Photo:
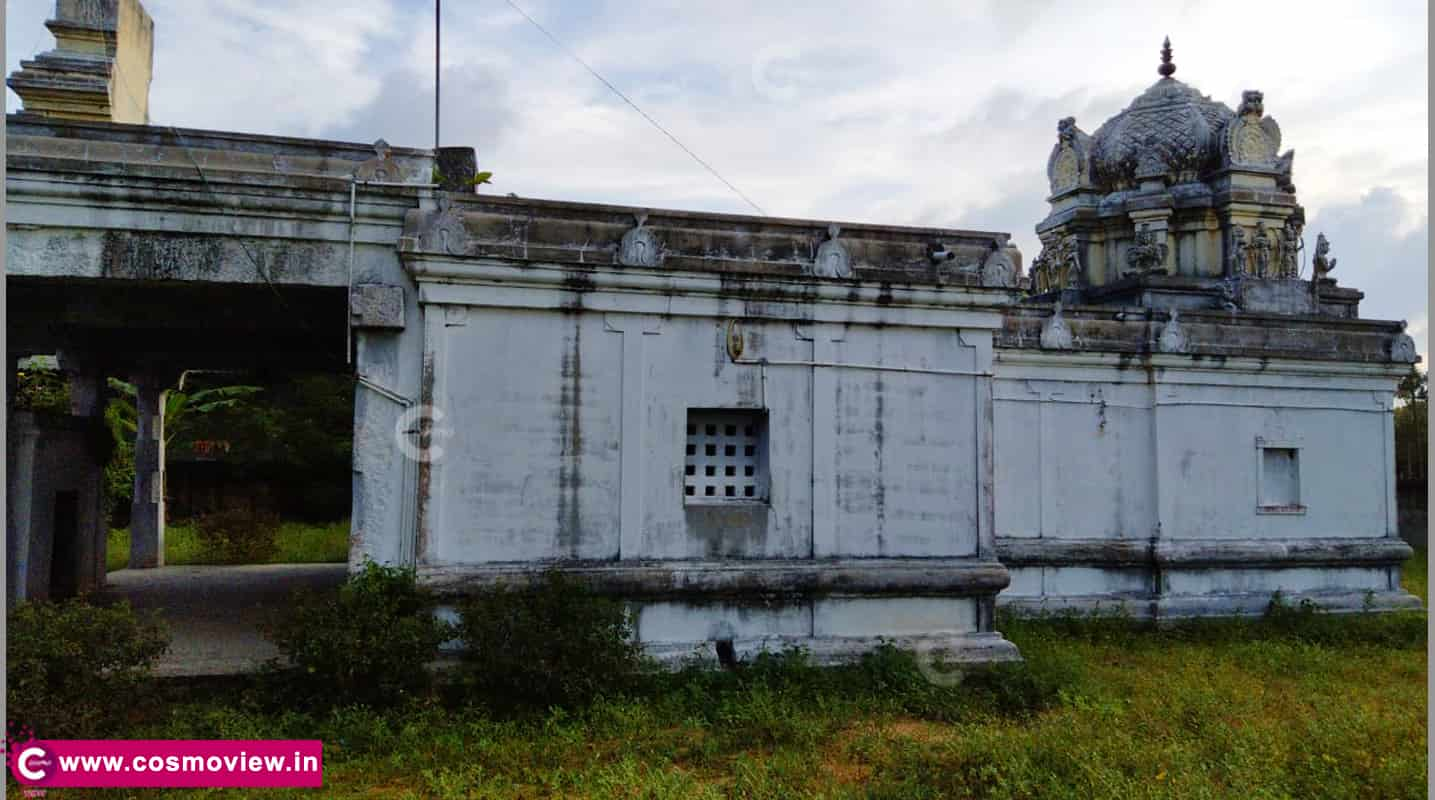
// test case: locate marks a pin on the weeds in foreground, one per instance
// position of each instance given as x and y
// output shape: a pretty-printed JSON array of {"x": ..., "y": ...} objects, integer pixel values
[
  {"x": 1295, "y": 704},
  {"x": 1298, "y": 706}
]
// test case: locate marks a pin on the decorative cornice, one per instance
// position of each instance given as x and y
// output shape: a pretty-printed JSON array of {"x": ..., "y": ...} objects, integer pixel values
[{"x": 543, "y": 231}]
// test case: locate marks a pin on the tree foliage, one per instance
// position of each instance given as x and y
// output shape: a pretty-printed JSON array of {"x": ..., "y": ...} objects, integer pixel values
[
  {"x": 1412, "y": 426},
  {"x": 1414, "y": 386},
  {"x": 42, "y": 390},
  {"x": 180, "y": 408}
]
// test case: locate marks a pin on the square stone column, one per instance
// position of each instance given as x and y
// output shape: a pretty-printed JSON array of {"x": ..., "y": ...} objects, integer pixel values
[
  {"x": 147, "y": 510},
  {"x": 86, "y": 377},
  {"x": 20, "y": 439}
]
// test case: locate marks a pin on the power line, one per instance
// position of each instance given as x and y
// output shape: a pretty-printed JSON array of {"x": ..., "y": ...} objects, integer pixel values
[{"x": 634, "y": 106}]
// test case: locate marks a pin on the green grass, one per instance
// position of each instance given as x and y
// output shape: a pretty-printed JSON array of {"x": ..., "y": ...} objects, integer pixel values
[
  {"x": 1224, "y": 710},
  {"x": 1296, "y": 705},
  {"x": 299, "y": 543},
  {"x": 1415, "y": 576}
]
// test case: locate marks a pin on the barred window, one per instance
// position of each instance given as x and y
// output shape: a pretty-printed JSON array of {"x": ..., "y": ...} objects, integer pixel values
[{"x": 726, "y": 456}]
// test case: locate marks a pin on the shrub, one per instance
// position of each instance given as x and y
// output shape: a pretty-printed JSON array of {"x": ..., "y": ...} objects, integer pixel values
[
  {"x": 368, "y": 644},
  {"x": 74, "y": 669},
  {"x": 554, "y": 644},
  {"x": 239, "y": 535}
]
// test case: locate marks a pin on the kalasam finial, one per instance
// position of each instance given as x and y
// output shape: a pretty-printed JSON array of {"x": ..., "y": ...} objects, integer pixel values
[{"x": 1167, "y": 69}]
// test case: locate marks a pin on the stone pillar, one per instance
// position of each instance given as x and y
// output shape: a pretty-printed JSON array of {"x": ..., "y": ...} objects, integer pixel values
[
  {"x": 87, "y": 400},
  {"x": 21, "y": 446},
  {"x": 19, "y": 452},
  {"x": 147, "y": 511},
  {"x": 100, "y": 69}
]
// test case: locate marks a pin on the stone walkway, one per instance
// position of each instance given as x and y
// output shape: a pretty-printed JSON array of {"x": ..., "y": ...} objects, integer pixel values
[{"x": 215, "y": 614}]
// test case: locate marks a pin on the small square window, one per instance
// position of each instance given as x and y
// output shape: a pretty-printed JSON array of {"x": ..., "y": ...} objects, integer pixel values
[
  {"x": 1278, "y": 478},
  {"x": 730, "y": 446}
]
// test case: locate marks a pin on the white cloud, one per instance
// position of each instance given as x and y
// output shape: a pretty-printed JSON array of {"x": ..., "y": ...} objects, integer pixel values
[{"x": 1382, "y": 242}]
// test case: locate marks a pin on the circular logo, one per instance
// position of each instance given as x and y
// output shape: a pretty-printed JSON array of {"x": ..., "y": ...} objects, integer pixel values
[
  {"x": 411, "y": 428},
  {"x": 773, "y": 73},
  {"x": 34, "y": 763}
]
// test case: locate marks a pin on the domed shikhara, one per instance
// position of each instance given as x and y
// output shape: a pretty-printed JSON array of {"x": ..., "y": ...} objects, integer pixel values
[
  {"x": 1170, "y": 131},
  {"x": 1178, "y": 199}
]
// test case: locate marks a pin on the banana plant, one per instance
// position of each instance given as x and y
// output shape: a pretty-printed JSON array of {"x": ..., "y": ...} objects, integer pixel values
[{"x": 179, "y": 406}]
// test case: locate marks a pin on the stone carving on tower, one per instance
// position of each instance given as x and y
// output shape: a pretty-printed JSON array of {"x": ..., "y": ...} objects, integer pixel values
[
  {"x": 1181, "y": 199},
  {"x": 382, "y": 168},
  {"x": 1058, "y": 266},
  {"x": 1173, "y": 336},
  {"x": 1146, "y": 254},
  {"x": 1236, "y": 255},
  {"x": 1284, "y": 166},
  {"x": 1041, "y": 269},
  {"x": 832, "y": 259},
  {"x": 998, "y": 269},
  {"x": 1055, "y": 333},
  {"x": 1290, "y": 251},
  {"x": 445, "y": 230},
  {"x": 1252, "y": 139},
  {"x": 1402, "y": 348},
  {"x": 1068, "y": 167},
  {"x": 1261, "y": 247},
  {"x": 640, "y": 246},
  {"x": 1321, "y": 263}
]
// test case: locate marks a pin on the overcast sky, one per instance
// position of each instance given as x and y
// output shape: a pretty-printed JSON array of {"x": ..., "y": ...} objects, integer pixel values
[{"x": 935, "y": 113}]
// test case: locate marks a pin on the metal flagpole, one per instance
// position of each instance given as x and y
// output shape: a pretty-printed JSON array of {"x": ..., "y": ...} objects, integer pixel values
[{"x": 437, "y": 22}]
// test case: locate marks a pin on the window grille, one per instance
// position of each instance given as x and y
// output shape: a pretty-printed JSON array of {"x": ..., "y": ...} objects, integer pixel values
[{"x": 726, "y": 456}]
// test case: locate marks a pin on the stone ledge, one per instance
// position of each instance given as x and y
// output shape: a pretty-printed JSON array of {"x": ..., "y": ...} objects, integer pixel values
[
  {"x": 1241, "y": 554},
  {"x": 1214, "y": 335},
  {"x": 968, "y": 648},
  {"x": 1251, "y": 604},
  {"x": 965, "y": 577}
]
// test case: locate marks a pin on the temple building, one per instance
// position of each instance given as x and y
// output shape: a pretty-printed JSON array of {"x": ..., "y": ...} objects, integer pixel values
[
  {"x": 1196, "y": 417},
  {"x": 765, "y": 432}
]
